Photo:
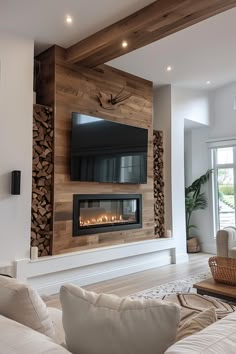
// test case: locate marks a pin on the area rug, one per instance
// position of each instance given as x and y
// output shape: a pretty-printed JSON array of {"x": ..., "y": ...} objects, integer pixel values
[
  {"x": 178, "y": 286},
  {"x": 182, "y": 293}
]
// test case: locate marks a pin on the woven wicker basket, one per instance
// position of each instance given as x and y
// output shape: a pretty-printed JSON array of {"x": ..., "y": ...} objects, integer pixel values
[{"x": 223, "y": 269}]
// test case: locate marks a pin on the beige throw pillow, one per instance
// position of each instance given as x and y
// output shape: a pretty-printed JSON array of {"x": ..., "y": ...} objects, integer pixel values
[
  {"x": 197, "y": 323},
  {"x": 108, "y": 324},
  {"x": 21, "y": 303}
]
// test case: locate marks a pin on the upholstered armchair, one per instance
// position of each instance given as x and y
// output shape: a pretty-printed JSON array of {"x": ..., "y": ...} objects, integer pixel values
[{"x": 226, "y": 242}]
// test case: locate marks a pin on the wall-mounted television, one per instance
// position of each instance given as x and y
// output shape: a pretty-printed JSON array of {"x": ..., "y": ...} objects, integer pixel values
[{"x": 106, "y": 151}]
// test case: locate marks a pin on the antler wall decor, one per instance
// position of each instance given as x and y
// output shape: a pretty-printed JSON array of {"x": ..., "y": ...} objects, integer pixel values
[{"x": 112, "y": 102}]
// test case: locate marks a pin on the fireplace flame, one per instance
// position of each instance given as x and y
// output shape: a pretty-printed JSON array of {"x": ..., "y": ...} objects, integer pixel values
[{"x": 103, "y": 219}]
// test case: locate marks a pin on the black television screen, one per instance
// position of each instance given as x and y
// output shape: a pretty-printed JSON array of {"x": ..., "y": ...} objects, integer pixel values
[{"x": 106, "y": 151}]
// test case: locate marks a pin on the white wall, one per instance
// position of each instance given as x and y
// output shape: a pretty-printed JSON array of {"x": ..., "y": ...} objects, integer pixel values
[
  {"x": 162, "y": 121},
  {"x": 16, "y": 98},
  {"x": 223, "y": 116},
  {"x": 171, "y": 107},
  {"x": 177, "y": 170},
  {"x": 197, "y": 163},
  {"x": 191, "y": 104},
  {"x": 222, "y": 125},
  {"x": 188, "y": 156}
]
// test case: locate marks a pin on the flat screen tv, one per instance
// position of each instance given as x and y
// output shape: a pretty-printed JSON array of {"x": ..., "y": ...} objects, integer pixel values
[{"x": 106, "y": 151}]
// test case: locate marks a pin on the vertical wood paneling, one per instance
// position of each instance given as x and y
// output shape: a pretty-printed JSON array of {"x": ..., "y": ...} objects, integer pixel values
[{"x": 76, "y": 90}]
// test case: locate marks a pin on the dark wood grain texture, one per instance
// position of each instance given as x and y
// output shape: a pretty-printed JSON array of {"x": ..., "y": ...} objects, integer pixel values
[
  {"x": 155, "y": 21},
  {"x": 211, "y": 288},
  {"x": 76, "y": 90}
]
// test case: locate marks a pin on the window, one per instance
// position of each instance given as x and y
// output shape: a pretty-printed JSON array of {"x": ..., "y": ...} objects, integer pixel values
[{"x": 223, "y": 160}]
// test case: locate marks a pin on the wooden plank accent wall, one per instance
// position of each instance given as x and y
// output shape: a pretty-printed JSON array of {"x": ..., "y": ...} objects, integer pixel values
[{"x": 76, "y": 90}]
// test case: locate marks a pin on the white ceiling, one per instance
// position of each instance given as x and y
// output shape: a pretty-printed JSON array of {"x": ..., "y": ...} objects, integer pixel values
[
  {"x": 43, "y": 20},
  {"x": 205, "y": 51}
]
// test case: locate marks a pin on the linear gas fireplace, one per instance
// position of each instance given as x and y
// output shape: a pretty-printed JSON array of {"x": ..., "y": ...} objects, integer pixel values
[{"x": 97, "y": 213}]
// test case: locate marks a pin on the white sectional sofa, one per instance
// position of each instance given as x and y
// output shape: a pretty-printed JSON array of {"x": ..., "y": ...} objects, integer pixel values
[
  {"x": 218, "y": 338},
  {"x": 27, "y": 326},
  {"x": 16, "y": 338}
]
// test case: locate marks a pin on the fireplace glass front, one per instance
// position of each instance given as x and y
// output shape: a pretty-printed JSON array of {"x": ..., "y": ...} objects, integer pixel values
[{"x": 104, "y": 213}]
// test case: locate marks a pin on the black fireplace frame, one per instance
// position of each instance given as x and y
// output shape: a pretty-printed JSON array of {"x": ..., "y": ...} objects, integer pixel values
[{"x": 77, "y": 231}]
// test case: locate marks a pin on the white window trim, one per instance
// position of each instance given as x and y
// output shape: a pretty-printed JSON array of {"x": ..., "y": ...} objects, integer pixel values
[{"x": 214, "y": 144}]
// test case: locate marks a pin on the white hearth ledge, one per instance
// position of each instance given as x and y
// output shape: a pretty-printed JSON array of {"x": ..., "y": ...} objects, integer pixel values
[{"x": 47, "y": 274}]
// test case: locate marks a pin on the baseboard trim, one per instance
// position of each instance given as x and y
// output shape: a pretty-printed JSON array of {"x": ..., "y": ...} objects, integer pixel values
[
  {"x": 91, "y": 266},
  {"x": 54, "y": 287},
  {"x": 179, "y": 258},
  {"x": 208, "y": 248}
]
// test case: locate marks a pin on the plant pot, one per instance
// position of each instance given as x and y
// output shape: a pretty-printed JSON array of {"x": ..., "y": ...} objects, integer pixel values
[{"x": 193, "y": 245}]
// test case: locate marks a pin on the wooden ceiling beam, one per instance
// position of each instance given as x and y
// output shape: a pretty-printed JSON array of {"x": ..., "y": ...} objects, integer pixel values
[{"x": 155, "y": 21}]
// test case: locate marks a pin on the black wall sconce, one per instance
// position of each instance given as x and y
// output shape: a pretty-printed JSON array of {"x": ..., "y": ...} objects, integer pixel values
[{"x": 15, "y": 182}]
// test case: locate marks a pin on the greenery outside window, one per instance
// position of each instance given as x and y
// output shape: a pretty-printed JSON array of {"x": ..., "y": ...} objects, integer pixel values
[{"x": 223, "y": 160}]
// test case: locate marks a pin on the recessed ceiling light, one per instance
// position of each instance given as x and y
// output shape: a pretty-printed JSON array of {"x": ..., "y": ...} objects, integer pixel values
[
  {"x": 69, "y": 19},
  {"x": 169, "y": 68},
  {"x": 208, "y": 82},
  {"x": 124, "y": 44}
]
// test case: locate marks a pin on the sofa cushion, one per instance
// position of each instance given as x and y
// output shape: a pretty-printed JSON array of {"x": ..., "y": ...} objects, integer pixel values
[
  {"x": 20, "y": 302},
  {"x": 56, "y": 316},
  {"x": 108, "y": 324},
  {"x": 218, "y": 338},
  {"x": 16, "y": 338},
  {"x": 197, "y": 323}
]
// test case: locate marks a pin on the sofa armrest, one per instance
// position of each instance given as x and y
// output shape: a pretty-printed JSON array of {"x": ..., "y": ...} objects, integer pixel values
[
  {"x": 218, "y": 338},
  {"x": 16, "y": 338},
  {"x": 222, "y": 243}
]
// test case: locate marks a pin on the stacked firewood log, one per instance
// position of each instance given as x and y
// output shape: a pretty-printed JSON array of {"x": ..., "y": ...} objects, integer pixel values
[
  {"x": 158, "y": 183},
  {"x": 41, "y": 215}
]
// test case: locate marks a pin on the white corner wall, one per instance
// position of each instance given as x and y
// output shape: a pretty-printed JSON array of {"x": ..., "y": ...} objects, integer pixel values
[
  {"x": 188, "y": 162},
  {"x": 172, "y": 126},
  {"x": 16, "y": 102},
  {"x": 191, "y": 104},
  {"x": 162, "y": 121},
  {"x": 223, "y": 115},
  {"x": 222, "y": 126},
  {"x": 200, "y": 162},
  {"x": 172, "y": 105}
]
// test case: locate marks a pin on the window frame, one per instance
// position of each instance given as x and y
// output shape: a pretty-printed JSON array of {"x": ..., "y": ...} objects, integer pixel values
[{"x": 213, "y": 146}]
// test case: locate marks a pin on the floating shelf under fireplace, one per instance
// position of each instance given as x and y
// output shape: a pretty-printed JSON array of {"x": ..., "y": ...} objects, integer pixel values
[{"x": 98, "y": 213}]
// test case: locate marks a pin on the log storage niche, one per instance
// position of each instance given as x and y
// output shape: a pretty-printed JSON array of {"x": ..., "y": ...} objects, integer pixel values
[
  {"x": 41, "y": 213},
  {"x": 158, "y": 180}
]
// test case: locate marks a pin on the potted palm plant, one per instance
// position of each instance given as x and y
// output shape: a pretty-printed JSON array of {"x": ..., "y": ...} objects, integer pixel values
[{"x": 195, "y": 200}]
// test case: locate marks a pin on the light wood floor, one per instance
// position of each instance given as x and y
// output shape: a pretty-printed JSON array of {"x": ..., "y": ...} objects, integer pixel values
[{"x": 133, "y": 283}]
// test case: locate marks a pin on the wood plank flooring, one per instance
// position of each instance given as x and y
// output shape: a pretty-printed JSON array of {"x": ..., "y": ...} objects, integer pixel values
[{"x": 133, "y": 283}]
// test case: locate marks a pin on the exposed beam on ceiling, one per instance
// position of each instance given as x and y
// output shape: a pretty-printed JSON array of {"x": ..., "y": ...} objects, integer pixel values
[{"x": 153, "y": 22}]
